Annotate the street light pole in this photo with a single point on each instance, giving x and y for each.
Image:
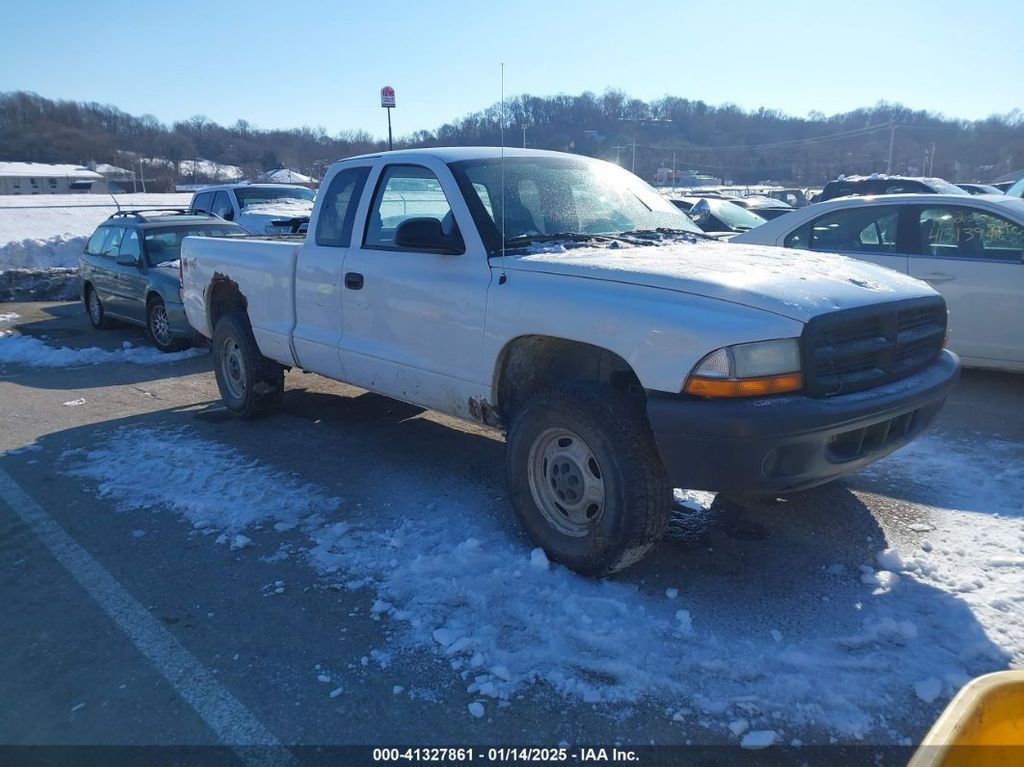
(892, 141)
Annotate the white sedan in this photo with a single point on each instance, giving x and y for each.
(970, 249)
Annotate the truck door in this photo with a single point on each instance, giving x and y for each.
(412, 319)
(318, 272)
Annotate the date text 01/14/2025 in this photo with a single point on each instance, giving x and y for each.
(503, 754)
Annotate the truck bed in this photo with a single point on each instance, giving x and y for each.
(263, 266)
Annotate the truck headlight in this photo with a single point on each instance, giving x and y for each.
(748, 370)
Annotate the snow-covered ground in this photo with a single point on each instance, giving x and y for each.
(35, 352)
(894, 635)
(41, 231)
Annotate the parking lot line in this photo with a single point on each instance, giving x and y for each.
(232, 722)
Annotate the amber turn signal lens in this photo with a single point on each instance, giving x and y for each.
(743, 387)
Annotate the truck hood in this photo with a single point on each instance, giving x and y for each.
(797, 284)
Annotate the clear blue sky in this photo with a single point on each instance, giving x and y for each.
(322, 63)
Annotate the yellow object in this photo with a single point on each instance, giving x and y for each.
(983, 726)
(743, 387)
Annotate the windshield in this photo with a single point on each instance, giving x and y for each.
(941, 186)
(546, 196)
(164, 245)
(735, 217)
(285, 196)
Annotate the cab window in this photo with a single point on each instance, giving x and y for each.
(221, 206)
(405, 192)
(202, 202)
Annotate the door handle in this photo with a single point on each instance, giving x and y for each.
(938, 277)
(353, 280)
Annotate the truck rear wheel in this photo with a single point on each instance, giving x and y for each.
(586, 479)
(250, 384)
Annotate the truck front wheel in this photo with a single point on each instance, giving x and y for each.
(249, 383)
(586, 479)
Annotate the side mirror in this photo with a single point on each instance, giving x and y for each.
(126, 259)
(426, 234)
(229, 215)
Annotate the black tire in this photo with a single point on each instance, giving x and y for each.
(158, 329)
(250, 384)
(613, 432)
(94, 308)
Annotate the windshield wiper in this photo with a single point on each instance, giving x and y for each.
(665, 231)
(572, 237)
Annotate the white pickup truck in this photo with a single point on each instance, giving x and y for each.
(563, 300)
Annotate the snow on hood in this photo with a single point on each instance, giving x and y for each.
(797, 284)
(288, 207)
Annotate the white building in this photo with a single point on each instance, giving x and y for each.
(43, 178)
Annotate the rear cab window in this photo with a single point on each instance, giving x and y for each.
(202, 202)
(338, 210)
(221, 206)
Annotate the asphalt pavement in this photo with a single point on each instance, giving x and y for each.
(125, 627)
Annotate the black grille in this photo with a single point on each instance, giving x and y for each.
(859, 348)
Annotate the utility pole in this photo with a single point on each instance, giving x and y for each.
(931, 161)
(633, 169)
(892, 142)
(523, 126)
(673, 169)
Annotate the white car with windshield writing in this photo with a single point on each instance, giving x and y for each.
(971, 249)
(565, 301)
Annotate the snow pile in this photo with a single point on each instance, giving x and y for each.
(34, 352)
(59, 250)
(446, 577)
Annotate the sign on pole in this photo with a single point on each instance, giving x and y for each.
(387, 101)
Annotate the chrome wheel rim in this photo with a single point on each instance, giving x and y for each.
(160, 325)
(232, 367)
(566, 481)
(94, 307)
